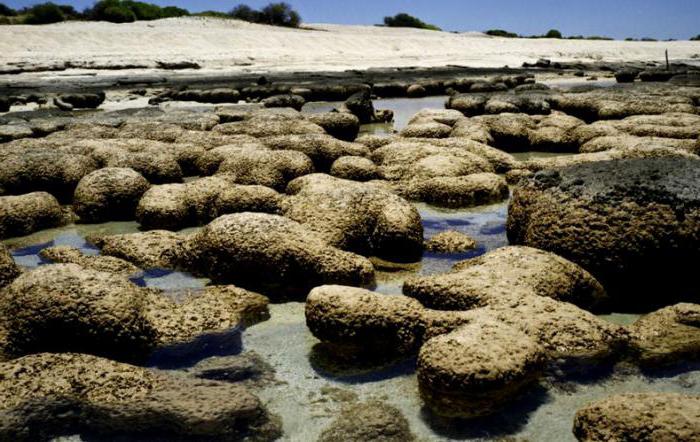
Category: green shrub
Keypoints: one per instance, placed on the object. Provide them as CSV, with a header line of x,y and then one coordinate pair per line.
x,y
216,14
44,13
501,33
280,14
245,13
403,20
173,11
696,38
6,11
276,14
553,33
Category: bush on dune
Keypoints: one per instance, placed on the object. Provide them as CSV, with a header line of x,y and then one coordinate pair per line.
x,y
403,20
44,13
501,33
126,11
276,14
6,11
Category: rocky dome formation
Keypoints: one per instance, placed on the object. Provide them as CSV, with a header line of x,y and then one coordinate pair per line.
x,y
368,421
507,271
272,254
108,194
640,417
24,214
640,218
113,399
667,336
362,218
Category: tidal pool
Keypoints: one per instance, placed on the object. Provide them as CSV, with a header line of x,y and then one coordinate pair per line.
x,y
310,388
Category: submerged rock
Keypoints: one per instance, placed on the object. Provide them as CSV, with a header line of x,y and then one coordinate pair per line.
x,y
368,421
148,250
667,336
109,194
25,214
450,241
650,217
362,218
113,399
72,255
640,417
8,269
509,271
272,254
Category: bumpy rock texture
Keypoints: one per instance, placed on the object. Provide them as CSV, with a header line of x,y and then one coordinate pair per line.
x,y
361,218
369,421
271,253
450,241
72,255
667,336
640,219
66,307
508,271
109,194
8,269
25,214
48,395
640,417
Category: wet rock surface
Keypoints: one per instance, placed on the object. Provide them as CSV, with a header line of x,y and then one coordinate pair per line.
x,y
369,421
450,241
640,417
109,399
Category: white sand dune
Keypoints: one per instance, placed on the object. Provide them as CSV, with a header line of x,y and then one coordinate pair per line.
x,y
230,45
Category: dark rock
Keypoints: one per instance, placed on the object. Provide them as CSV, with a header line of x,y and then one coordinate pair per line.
x,y
649,209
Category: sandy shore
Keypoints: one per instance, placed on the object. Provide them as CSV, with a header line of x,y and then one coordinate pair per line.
x,y
234,46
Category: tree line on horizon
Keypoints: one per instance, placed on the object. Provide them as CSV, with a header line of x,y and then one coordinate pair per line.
x,y
127,11
276,14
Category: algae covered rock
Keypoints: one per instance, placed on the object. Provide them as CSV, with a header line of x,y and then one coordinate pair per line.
x,y
667,336
450,241
477,369
65,307
508,271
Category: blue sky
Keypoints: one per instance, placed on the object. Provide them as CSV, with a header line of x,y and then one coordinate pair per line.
x,y
660,19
